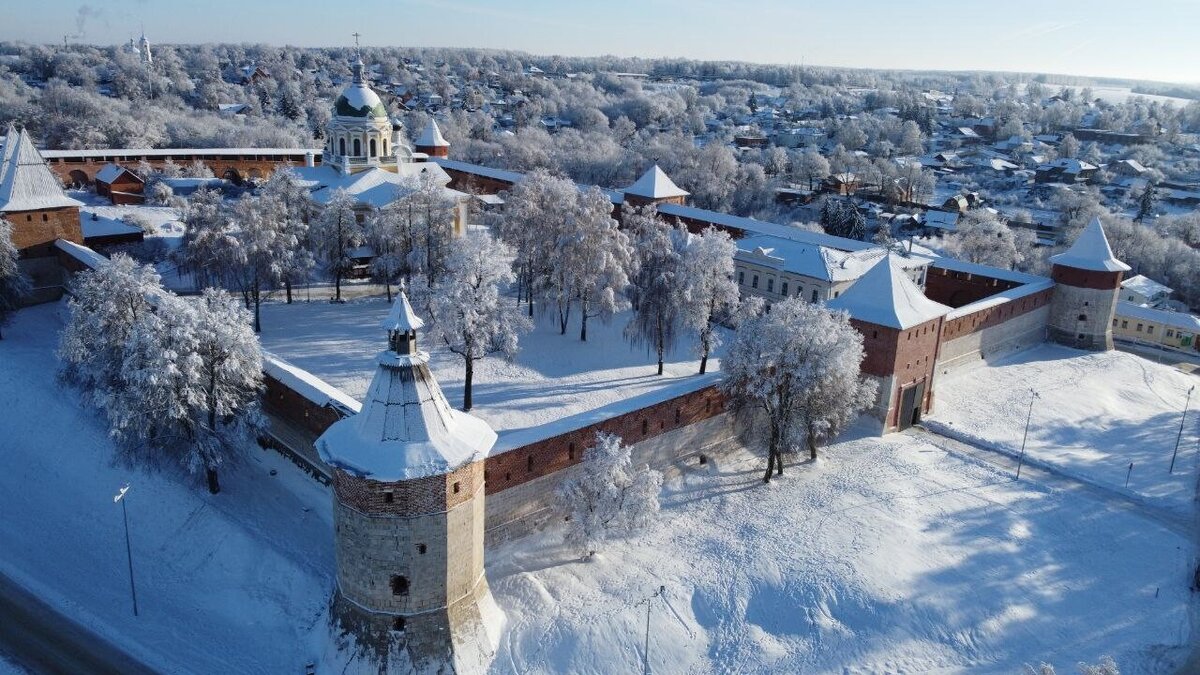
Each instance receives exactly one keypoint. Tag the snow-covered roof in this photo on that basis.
(815, 261)
(374, 187)
(103, 226)
(1188, 322)
(402, 317)
(942, 220)
(1146, 286)
(655, 184)
(110, 172)
(307, 385)
(431, 136)
(81, 253)
(1090, 251)
(26, 183)
(885, 296)
(752, 226)
(503, 175)
(406, 428)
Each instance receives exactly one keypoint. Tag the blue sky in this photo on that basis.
(1146, 40)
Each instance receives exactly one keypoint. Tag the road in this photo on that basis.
(37, 637)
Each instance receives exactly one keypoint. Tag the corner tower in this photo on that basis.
(432, 142)
(1087, 282)
(408, 502)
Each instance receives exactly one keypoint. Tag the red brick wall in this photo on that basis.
(960, 288)
(991, 316)
(245, 166)
(910, 355)
(519, 465)
(283, 402)
(418, 496)
(1085, 278)
(34, 232)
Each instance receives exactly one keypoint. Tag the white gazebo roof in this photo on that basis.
(1090, 252)
(655, 184)
(885, 296)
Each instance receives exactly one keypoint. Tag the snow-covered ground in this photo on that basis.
(232, 583)
(554, 376)
(888, 555)
(1097, 413)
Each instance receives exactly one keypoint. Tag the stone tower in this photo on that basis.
(408, 501)
(1087, 281)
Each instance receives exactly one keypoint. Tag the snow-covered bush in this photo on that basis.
(607, 498)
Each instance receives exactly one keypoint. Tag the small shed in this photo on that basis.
(120, 185)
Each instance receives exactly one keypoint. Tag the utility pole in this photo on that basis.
(128, 548)
(646, 647)
(1179, 437)
(1021, 459)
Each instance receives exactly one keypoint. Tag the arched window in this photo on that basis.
(342, 147)
(373, 153)
(357, 148)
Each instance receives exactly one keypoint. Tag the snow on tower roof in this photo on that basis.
(1090, 252)
(887, 297)
(431, 136)
(406, 428)
(656, 184)
(26, 183)
(402, 317)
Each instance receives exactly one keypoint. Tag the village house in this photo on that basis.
(1142, 290)
(120, 185)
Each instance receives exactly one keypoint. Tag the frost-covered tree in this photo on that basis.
(655, 284)
(707, 289)
(432, 229)
(592, 257)
(1146, 201)
(841, 218)
(105, 305)
(190, 380)
(335, 234)
(911, 142)
(1068, 146)
(387, 234)
(792, 378)
(160, 194)
(607, 498)
(262, 252)
(533, 215)
(468, 316)
(14, 284)
(812, 166)
(209, 238)
(983, 239)
(297, 211)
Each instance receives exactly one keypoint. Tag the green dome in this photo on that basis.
(358, 100)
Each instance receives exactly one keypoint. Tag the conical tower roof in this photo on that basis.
(406, 428)
(431, 136)
(1090, 252)
(26, 183)
(655, 184)
(885, 296)
(402, 317)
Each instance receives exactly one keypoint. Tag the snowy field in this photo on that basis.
(888, 556)
(554, 376)
(1098, 412)
(233, 583)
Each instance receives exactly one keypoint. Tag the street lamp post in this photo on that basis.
(1179, 437)
(646, 648)
(1021, 459)
(128, 548)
